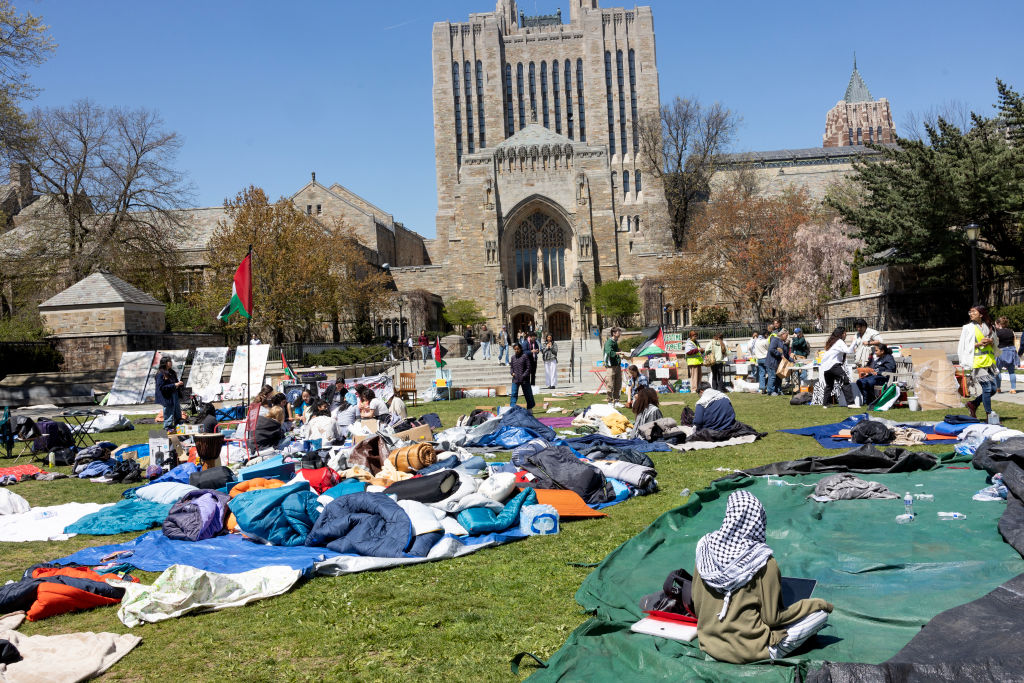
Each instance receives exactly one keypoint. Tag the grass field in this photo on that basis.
(459, 619)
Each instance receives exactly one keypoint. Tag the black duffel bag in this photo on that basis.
(871, 431)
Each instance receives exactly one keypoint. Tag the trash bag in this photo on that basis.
(871, 431)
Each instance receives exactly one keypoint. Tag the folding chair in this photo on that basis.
(443, 380)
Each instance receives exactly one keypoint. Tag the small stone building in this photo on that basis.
(98, 318)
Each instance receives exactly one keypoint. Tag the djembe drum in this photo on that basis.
(208, 448)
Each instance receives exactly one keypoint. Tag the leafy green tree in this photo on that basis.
(914, 198)
(462, 313)
(24, 44)
(617, 299)
(711, 315)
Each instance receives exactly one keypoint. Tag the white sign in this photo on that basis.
(130, 381)
(207, 368)
(256, 364)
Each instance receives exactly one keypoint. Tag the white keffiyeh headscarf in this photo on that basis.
(727, 559)
(709, 396)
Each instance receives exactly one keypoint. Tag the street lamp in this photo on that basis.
(973, 231)
(661, 305)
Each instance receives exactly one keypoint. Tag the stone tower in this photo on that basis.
(542, 191)
(857, 118)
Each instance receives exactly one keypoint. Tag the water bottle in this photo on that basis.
(908, 504)
(685, 493)
(952, 515)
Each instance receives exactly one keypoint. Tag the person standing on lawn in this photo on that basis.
(424, 345)
(694, 359)
(550, 356)
(519, 366)
(1008, 359)
(801, 350)
(833, 366)
(977, 355)
(470, 350)
(777, 350)
(760, 354)
(864, 341)
(168, 387)
(611, 361)
(716, 351)
(533, 349)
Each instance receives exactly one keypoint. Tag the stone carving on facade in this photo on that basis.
(491, 248)
(489, 194)
(581, 189)
(584, 245)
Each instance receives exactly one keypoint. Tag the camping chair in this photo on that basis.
(406, 386)
(7, 432)
(903, 378)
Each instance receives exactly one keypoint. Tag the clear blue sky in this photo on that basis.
(265, 92)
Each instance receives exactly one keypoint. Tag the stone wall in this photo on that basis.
(862, 120)
(92, 320)
(83, 352)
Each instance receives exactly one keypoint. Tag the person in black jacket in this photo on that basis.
(520, 366)
(881, 361)
(534, 352)
(269, 432)
(167, 387)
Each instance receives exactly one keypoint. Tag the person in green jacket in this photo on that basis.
(611, 361)
(737, 592)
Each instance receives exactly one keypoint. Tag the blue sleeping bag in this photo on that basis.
(951, 429)
(483, 520)
(281, 516)
(271, 468)
(369, 524)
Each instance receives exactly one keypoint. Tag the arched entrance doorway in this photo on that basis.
(559, 325)
(521, 321)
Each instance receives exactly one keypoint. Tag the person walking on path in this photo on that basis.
(503, 345)
(777, 350)
(716, 352)
(519, 366)
(485, 343)
(1008, 359)
(694, 359)
(470, 349)
(977, 355)
(533, 349)
(550, 356)
(424, 345)
(611, 361)
(168, 387)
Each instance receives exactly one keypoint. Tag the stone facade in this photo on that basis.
(857, 118)
(812, 169)
(536, 134)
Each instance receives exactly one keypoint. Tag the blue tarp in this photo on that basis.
(824, 434)
(134, 514)
(154, 552)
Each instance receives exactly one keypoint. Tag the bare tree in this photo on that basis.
(957, 112)
(681, 144)
(110, 195)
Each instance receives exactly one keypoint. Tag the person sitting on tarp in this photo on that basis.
(635, 381)
(301, 409)
(872, 375)
(346, 414)
(321, 425)
(268, 432)
(370, 406)
(645, 405)
(714, 410)
(737, 591)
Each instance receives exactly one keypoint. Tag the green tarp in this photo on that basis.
(886, 580)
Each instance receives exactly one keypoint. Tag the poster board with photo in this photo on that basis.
(178, 359)
(256, 361)
(207, 368)
(383, 385)
(130, 380)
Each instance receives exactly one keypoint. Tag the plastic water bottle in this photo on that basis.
(685, 493)
(908, 504)
(924, 496)
(952, 515)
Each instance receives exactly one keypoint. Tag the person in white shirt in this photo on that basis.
(397, 407)
(833, 366)
(321, 425)
(369, 405)
(760, 355)
(864, 341)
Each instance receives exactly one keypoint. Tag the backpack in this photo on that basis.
(801, 398)
(126, 472)
(52, 435)
(676, 595)
(871, 431)
(212, 478)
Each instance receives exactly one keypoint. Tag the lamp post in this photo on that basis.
(661, 305)
(973, 230)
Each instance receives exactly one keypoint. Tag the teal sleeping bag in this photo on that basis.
(483, 520)
(281, 516)
(134, 514)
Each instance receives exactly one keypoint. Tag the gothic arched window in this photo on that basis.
(539, 238)
(579, 100)
(556, 95)
(609, 101)
(637, 186)
(625, 184)
(544, 92)
(510, 116)
(522, 104)
(458, 112)
(468, 72)
(568, 98)
(480, 100)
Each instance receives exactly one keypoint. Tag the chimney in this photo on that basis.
(22, 177)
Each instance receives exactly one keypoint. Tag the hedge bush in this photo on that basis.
(349, 356)
(1015, 313)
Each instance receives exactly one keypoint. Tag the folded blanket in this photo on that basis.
(845, 486)
(637, 475)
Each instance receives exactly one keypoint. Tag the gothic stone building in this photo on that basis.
(540, 191)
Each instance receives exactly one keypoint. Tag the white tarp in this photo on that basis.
(130, 380)
(45, 523)
(257, 367)
(446, 548)
(181, 590)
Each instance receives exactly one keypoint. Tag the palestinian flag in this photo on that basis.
(288, 369)
(654, 346)
(439, 353)
(241, 291)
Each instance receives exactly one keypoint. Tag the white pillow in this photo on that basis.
(164, 492)
(498, 486)
(11, 503)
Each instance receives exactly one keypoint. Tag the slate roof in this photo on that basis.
(857, 90)
(535, 134)
(100, 288)
(803, 154)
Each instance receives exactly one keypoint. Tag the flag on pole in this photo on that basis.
(655, 345)
(241, 291)
(439, 353)
(288, 369)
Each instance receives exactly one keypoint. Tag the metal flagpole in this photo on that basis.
(248, 363)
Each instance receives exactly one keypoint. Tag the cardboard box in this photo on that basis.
(417, 434)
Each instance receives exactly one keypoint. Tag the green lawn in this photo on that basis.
(458, 619)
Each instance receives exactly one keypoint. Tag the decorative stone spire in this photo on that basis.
(857, 90)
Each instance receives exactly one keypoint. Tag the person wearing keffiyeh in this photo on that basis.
(737, 591)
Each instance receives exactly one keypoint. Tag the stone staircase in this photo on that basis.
(487, 373)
